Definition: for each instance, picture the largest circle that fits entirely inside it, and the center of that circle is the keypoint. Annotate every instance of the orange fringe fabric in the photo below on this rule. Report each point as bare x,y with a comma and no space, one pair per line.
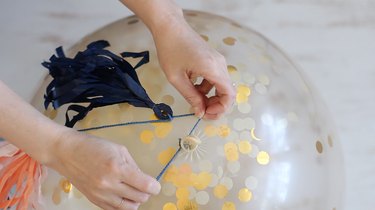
20,179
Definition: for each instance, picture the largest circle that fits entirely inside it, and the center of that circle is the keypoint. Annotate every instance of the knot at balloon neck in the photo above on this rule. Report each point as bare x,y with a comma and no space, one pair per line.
190,143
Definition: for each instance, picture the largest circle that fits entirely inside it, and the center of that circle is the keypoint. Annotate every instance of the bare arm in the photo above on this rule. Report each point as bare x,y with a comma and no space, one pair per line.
115,176
184,55
26,128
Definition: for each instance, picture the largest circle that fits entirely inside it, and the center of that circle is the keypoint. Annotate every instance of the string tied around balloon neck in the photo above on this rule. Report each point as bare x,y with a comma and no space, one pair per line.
176,153
97,77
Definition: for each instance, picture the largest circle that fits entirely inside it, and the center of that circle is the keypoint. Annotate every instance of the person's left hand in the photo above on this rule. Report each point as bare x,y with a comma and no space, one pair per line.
184,55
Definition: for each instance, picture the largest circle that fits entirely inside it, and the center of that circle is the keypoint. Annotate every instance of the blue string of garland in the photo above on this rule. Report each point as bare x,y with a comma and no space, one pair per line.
151,121
136,122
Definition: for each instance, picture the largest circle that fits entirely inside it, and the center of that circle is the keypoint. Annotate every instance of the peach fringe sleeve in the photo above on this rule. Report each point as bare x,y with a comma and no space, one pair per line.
20,179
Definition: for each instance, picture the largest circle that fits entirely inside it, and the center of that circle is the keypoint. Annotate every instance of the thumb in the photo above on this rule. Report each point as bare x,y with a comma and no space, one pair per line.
195,98
141,181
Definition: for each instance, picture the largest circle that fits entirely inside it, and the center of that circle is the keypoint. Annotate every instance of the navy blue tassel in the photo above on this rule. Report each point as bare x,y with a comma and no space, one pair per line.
98,77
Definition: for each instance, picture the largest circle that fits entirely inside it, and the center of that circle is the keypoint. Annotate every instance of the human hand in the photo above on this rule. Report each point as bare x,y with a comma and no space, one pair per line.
103,171
184,56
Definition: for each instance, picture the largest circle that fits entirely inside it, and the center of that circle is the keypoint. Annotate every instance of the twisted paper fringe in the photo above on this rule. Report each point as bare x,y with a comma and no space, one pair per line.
20,179
98,77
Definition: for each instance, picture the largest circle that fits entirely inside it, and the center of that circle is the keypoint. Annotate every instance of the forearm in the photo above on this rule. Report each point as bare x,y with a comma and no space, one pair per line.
25,127
156,14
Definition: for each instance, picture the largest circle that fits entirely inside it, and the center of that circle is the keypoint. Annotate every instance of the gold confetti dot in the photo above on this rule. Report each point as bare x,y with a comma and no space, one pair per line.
166,155
231,151
231,69
204,37
224,131
187,205
153,117
185,168
180,177
168,99
51,113
182,194
241,98
263,158
162,130
243,93
170,174
244,195
183,180
147,136
229,206
220,191
243,89
244,147
169,206
201,181
319,147
229,41
252,132
65,185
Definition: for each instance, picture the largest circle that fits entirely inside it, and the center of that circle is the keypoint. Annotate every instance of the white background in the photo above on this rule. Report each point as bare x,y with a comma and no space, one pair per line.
333,41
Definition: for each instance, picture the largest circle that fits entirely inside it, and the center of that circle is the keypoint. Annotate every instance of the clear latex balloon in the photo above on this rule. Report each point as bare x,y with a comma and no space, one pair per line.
275,149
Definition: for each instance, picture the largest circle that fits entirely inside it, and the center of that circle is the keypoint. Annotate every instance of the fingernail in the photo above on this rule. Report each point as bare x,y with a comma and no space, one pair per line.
198,112
155,187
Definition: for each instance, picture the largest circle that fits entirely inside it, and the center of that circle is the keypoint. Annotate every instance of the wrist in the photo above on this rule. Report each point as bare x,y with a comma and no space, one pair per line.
155,13
62,143
165,19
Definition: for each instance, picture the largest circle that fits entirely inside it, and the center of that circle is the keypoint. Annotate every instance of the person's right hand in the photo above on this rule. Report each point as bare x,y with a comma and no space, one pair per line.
103,171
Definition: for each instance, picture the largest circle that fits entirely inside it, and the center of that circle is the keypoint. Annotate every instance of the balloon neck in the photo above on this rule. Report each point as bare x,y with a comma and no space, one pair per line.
190,143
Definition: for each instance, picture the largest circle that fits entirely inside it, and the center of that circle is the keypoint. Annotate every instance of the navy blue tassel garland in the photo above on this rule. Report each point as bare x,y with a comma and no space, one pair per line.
98,77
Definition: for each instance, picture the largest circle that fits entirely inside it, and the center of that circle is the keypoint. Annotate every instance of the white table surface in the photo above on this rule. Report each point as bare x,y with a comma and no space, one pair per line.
333,41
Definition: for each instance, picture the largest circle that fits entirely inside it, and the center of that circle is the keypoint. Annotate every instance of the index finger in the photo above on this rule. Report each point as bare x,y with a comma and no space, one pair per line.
224,95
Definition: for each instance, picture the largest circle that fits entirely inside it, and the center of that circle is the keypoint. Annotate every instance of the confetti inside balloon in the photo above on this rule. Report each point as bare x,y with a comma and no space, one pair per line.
275,149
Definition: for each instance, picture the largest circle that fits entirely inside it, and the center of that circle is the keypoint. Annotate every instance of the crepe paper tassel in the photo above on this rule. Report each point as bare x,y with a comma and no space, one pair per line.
20,179
98,77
